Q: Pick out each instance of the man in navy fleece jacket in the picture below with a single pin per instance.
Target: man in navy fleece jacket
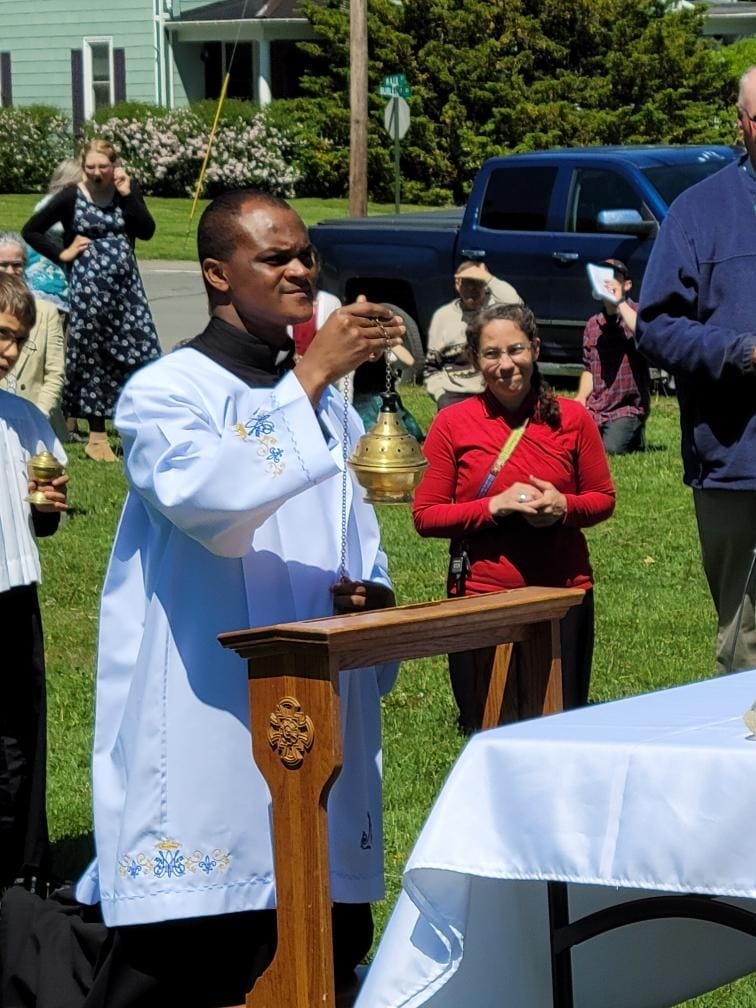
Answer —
(697, 319)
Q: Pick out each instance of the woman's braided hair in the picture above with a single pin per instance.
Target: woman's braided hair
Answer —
(547, 405)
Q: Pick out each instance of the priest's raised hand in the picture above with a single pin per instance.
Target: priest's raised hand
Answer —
(352, 335)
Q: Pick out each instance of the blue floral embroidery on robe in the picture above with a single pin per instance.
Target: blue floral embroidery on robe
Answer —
(171, 861)
(261, 428)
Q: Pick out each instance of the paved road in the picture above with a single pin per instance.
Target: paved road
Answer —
(177, 298)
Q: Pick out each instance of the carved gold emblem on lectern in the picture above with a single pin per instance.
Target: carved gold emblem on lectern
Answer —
(291, 732)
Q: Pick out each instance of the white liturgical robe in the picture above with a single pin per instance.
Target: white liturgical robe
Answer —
(24, 431)
(233, 519)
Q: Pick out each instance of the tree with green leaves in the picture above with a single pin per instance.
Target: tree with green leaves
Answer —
(496, 76)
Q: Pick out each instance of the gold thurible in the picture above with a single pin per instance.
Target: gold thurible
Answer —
(387, 461)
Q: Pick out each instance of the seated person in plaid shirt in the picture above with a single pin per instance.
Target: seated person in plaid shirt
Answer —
(615, 383)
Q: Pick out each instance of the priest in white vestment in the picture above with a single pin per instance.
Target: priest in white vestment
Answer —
(235, 464)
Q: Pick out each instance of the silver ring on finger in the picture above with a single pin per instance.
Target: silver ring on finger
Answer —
(522, 498)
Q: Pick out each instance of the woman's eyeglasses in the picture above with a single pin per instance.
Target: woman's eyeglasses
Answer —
(7, 337)
(493, 354)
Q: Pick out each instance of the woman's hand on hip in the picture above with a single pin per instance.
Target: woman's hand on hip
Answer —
(75, 249)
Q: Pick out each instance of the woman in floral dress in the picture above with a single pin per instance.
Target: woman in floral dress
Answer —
(111, 331)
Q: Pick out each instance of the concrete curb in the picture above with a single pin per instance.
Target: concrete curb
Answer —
(169, 265)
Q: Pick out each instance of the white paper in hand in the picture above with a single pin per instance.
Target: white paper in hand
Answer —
(597, 275)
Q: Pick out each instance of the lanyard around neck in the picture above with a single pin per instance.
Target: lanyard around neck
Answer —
(504, 455)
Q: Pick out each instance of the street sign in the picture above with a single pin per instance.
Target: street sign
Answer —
(396, 118)
(394, 86)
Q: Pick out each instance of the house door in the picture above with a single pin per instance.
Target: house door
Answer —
(217, 59)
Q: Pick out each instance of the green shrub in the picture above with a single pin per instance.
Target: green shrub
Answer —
(233, 109)
(129, 110)
(33, 140)
(418, 192)
(293, 147)
(318, 145)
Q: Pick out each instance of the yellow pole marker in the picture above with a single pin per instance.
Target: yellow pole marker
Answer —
(203, 169)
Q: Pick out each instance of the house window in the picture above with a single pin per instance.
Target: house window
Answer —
(98, 75)
(217, 59)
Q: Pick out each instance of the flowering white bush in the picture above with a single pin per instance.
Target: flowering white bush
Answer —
(253, 153)
(164, 152)
(33, 140)
(163, 149)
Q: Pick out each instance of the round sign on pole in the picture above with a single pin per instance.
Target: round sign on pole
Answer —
(396, 117)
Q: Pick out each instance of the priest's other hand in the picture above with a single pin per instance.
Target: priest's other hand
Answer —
(361, 596)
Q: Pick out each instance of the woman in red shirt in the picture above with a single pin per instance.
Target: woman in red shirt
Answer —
(514, 474)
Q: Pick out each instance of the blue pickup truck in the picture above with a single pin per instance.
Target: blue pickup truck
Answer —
(536, 220)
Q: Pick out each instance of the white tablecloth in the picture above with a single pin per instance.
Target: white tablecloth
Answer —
(656, 792)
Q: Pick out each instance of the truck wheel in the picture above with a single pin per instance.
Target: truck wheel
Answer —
(412, 342)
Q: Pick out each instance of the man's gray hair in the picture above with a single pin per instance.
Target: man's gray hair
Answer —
(14, 238)
(743, 83)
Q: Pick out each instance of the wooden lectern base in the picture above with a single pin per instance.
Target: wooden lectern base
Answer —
(296, 738)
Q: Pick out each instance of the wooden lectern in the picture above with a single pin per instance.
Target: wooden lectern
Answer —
(296, 737)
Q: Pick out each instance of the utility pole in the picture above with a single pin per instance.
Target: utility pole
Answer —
(358, 107)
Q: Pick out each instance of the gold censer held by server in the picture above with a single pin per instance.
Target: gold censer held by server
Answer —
(43, 469)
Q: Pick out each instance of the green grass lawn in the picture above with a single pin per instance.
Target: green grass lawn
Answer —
(175, 233)
(655, 628)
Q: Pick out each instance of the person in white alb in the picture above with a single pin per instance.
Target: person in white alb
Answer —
(234, 459)
(24, 432)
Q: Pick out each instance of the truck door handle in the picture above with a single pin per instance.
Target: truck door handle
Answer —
(473, 253)
(565, 257)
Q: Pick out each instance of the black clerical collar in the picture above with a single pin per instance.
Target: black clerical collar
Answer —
(242, 353)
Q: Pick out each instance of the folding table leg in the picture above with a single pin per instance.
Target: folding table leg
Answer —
(561, 961)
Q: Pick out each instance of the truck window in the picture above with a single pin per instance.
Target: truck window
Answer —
(517, 199)
(671, 180)
(594, 190)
